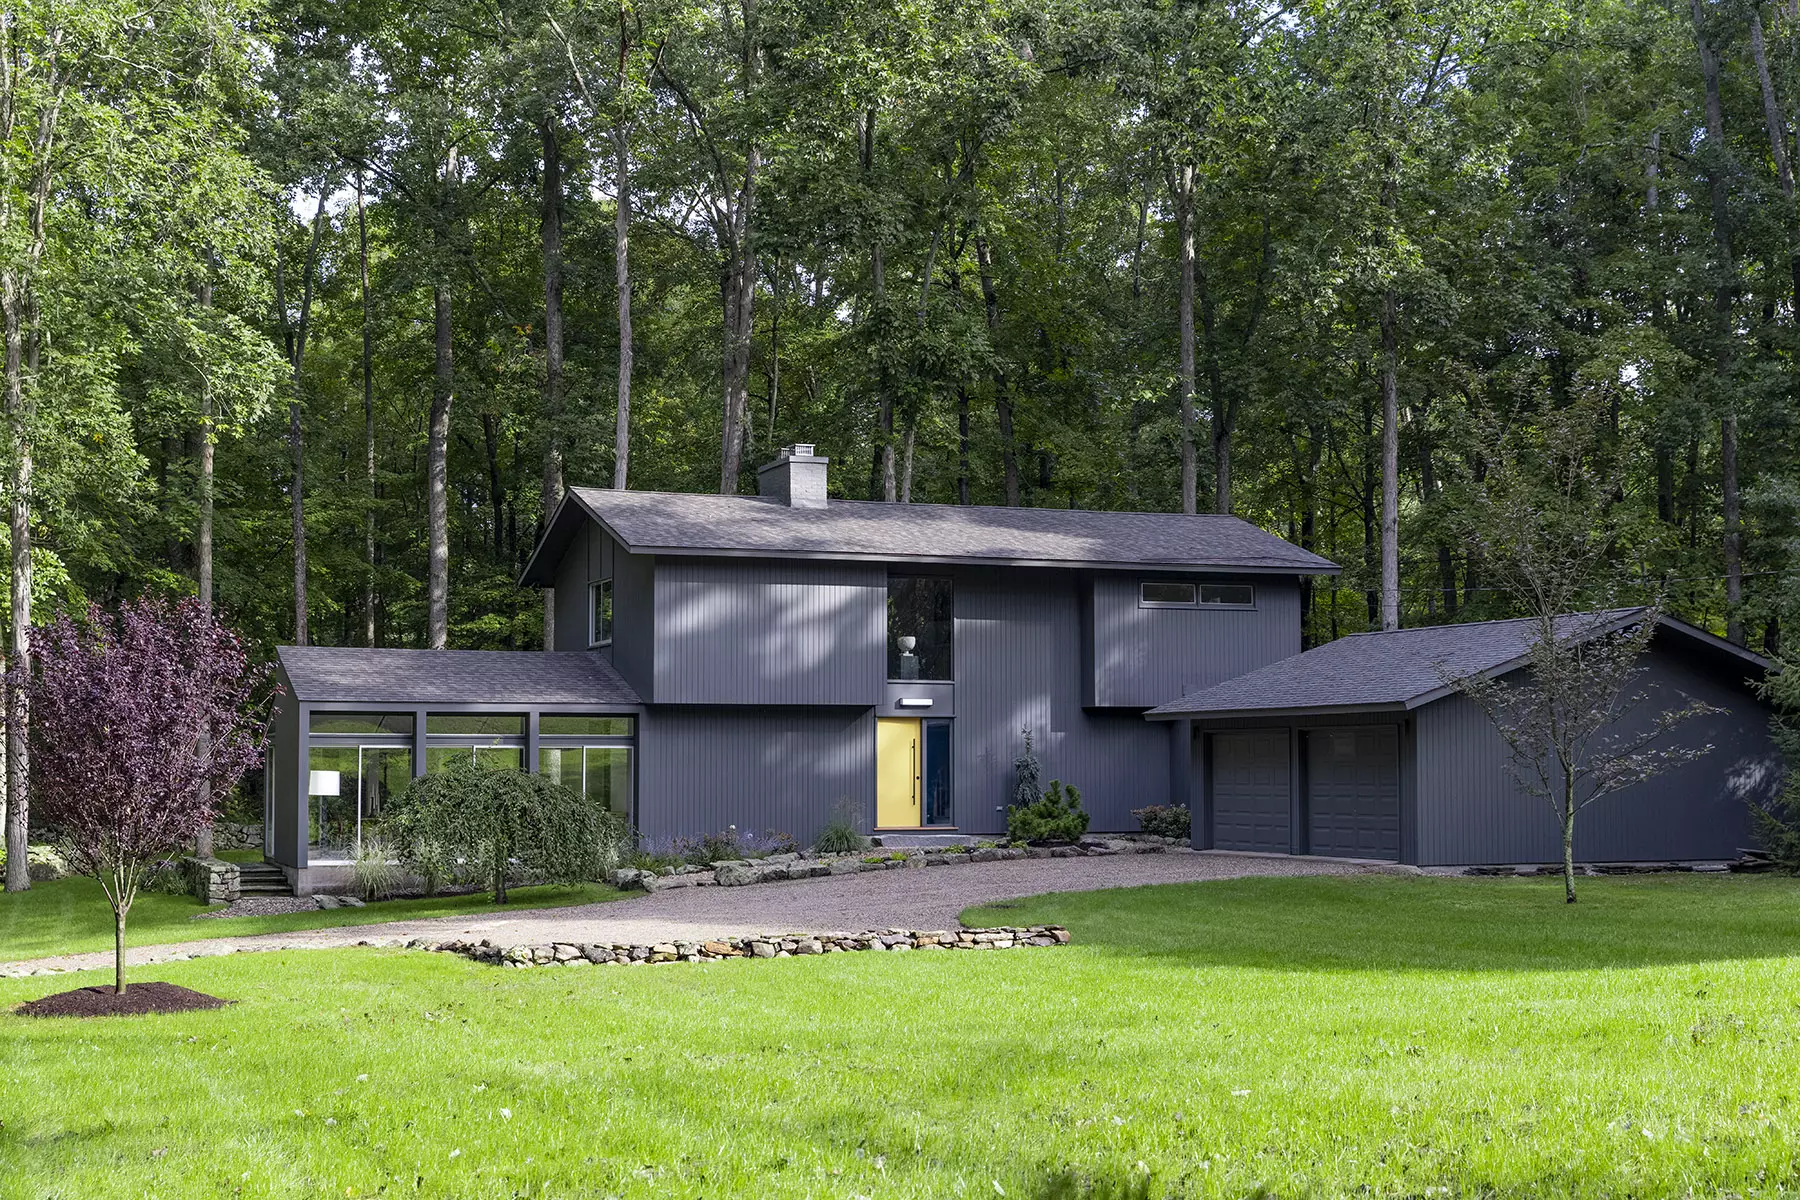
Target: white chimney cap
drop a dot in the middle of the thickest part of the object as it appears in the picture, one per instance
(802, 449)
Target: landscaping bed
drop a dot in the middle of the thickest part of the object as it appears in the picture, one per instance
(138, 999)
(808, 864)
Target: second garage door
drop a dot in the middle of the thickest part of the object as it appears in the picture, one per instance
(1353, 791)
(1250, 790)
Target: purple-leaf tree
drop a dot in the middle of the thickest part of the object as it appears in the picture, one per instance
(139, 720)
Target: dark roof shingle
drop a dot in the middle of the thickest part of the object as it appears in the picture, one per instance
(357, 675)
(691, 523)
(1383, 669)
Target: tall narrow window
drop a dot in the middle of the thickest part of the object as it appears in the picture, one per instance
(600, 627)
(921, 625)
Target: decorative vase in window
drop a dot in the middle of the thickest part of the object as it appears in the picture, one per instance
(909, 662)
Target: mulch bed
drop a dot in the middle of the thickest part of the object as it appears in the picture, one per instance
(139, 999)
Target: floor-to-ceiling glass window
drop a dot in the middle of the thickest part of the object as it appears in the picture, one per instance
(357, 762)
(489, 739)
(591, 755)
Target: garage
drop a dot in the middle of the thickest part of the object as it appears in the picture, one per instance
(1353, 792)
(1250, 791)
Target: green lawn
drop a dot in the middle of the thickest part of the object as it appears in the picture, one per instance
(68, 916)
(1373, 1036)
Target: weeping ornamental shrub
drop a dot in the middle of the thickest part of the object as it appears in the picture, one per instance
(1056, 817)
(487, 824)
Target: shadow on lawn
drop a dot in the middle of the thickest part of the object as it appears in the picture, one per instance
(1386, 923)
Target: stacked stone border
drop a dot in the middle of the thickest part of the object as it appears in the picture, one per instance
(807, 865)
(788, 945)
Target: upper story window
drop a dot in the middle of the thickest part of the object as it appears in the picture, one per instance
(1167, 593)
(600, 609)
(921, 626)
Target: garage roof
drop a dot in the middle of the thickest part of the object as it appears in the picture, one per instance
(1402, 669)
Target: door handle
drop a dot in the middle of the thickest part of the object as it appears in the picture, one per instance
(915, 773)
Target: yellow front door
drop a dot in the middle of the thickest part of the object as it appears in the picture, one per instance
(896, 773)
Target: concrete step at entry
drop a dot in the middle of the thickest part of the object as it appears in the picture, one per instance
(262, 879)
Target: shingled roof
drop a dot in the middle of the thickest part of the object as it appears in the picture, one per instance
(686, 523)
(358, 675)
(1402, 669)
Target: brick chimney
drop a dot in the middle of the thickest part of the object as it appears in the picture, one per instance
(796, 477)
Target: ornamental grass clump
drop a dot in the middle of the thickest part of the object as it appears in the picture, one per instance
(492, 824)
(139, 719)
(841, 835)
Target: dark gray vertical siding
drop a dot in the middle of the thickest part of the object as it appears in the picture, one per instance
(704, 769)
(1018, 663)
(572, 578)
(1142, 657)
(634, 617)
(286, 770)
(1472, 811)
(741, 631)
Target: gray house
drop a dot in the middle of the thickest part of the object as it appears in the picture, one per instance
(760, 661)
(1359, 748)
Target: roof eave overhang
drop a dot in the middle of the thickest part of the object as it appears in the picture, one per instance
(540, 568)
(969, 560)
(1310, 710)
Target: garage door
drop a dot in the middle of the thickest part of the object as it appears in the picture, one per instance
(1250, 790)
(1353, 791)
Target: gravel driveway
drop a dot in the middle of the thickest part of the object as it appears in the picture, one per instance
(929, 898)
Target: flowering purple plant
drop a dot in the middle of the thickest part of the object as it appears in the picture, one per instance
(140, 719)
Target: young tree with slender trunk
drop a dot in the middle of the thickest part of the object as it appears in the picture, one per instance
(142, 718)
(1577, 722)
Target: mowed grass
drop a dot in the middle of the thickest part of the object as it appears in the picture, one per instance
(70, 916)
(1295, 1037)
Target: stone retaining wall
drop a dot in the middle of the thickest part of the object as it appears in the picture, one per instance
(213, 881)
(806, 865)
(791, 945)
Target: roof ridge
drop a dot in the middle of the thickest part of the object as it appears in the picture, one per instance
(1586, 612)
(893, 504)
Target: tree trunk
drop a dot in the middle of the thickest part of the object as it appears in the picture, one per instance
(119, 951)
(1184, 237)
(550, 222)
(295, 335)
(1778, 147)
(1390, 463)
(368, 397)
(1723, 293)
(18, 706)
(962, 444)
(622, 267)
(437, 456)
(906, 473)
(884, 390)
(1003, 410)
(1568, 849)
(203, 547)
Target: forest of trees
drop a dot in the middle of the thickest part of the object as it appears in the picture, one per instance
(316, 308)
